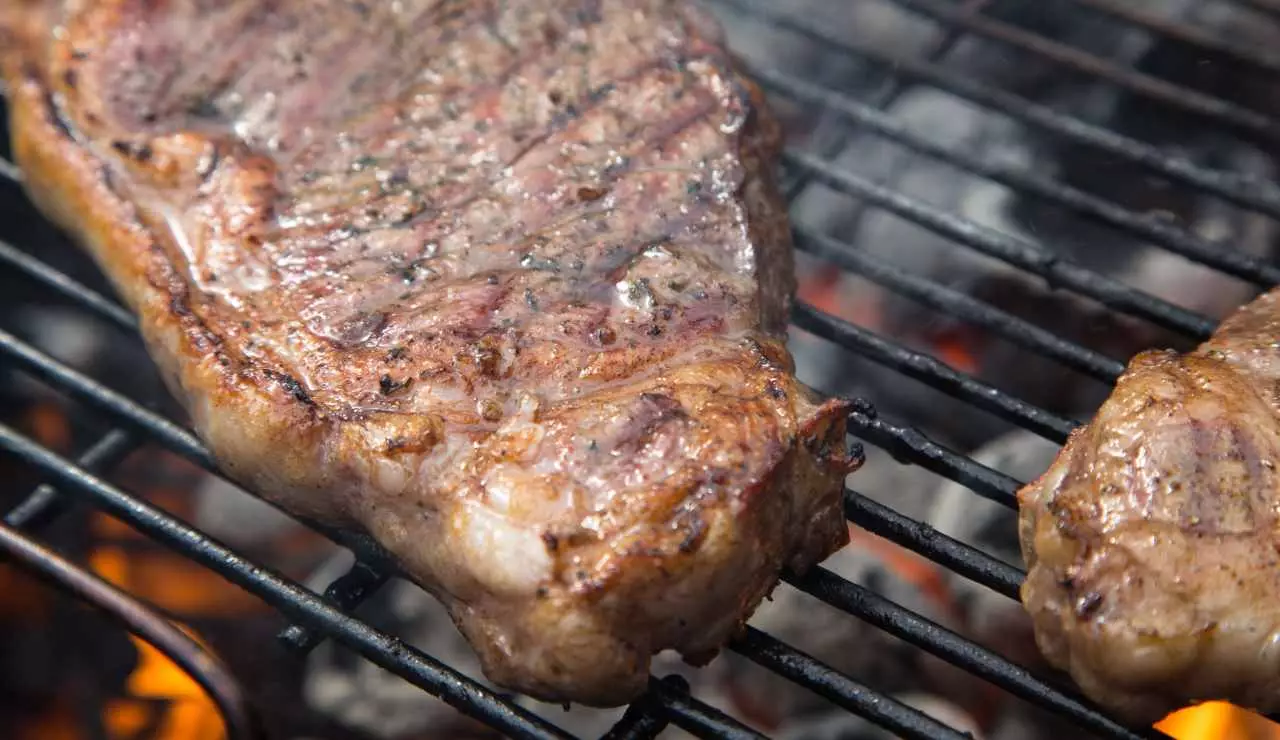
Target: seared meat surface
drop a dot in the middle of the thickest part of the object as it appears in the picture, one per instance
(503, 283)
(1154, 539)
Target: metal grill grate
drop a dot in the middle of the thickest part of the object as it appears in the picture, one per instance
(668, 701)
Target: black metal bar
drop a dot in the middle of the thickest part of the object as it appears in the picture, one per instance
(921, 538)
(910, 446)
(1187, 35)
(237, 715)
(643, 720)
(72, 289)
(1144, 226)
(345, 593)
(907, 625)
(1247, 191)
(932, 372)
(841, 690)
(293, 600)
(1056, 271)
(953, 302)
(1247, 123)
(10, 171)
(45, 503)
(672, 695)
(96, 395)
(887, 95)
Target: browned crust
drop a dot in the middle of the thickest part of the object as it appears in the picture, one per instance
(1151, 540)
(233, 409)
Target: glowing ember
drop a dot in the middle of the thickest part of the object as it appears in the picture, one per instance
(821, 290)
(1217, 720)
(185, 711)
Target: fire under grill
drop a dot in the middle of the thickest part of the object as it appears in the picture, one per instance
(957, 167)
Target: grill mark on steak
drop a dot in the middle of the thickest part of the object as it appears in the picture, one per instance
(502, 283)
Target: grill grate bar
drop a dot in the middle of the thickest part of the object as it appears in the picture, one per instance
(903, 720)
(907, 625)
(109, 402)
(46, 503)
(293, 600)
(1259, 59)
(886, 96)
(1057, 272)
(959, 304)
(346, 592)
(923, 539)
(932, 372)
(643, 720)
(1247, 123)
(909, 445)
(1250, 192)
(1149, 227)
(689, 714)
(67, 287)
(212, 677)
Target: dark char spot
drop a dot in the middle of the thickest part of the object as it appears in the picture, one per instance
(292, 385)
(388, 385)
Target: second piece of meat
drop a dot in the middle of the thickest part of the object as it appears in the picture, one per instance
(1154, 539)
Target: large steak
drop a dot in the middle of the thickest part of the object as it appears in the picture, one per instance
(504, 283)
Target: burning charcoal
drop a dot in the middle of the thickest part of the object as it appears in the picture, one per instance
(1022, 721)
(909, 490)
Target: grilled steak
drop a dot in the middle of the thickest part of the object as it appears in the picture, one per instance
(503, 283)
(1154, 539)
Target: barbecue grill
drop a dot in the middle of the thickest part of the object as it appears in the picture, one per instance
(315, 618)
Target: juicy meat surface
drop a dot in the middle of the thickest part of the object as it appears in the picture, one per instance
(1154, 539)
(503, 283)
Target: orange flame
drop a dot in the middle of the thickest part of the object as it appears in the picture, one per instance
(1218, 720)
(186, 712)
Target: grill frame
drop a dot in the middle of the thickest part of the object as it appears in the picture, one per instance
(315, 618)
